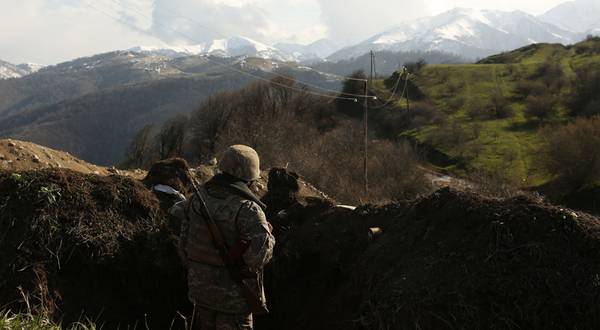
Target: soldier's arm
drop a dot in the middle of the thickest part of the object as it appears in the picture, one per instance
(254, 228)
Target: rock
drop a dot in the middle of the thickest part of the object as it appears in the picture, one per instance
(35, 159)
(213, 162)
(11, 144)
(2, 156)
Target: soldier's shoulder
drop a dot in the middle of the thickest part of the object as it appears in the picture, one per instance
(250, 206)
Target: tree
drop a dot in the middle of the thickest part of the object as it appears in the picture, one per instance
(541, 107)
(416, 66)
(171, 139)
(500, 105)
(209, 121)
(585, 96)
(398, 80)
(354, 85)
(138, 151)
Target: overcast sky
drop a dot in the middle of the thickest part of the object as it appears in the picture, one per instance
(51, 31)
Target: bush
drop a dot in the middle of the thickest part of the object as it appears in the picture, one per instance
(551, 74)
(501, 106)
(541, 107)
(585, 96)
(479, 109)
(571, 152)
(352, 87)
(456, 103)
(413, 92)
(525, 88)
(450, 135)
(495, 182)
(284, 127)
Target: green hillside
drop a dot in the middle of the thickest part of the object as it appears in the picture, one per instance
(483, 106)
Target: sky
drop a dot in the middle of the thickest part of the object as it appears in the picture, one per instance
(53, 31)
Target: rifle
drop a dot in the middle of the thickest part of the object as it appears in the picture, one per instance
(236, 268)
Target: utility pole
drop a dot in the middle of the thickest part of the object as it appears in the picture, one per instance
(366, 128)
(407, 75)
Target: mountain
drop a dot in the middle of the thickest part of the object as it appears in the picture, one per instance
(92, 107)
(387, 62)
(317, 50)
(8, 70)
(231, 47)
(579, 16)
(467, 32)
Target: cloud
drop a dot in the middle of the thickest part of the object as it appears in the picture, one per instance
(51, 31)
(355, 20)
(178, 21)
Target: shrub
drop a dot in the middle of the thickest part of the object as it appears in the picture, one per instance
(584, 99)
(541, 107)
(551, 74)
(525, 88)
(352, 87)
(334, 163)
(479, 109)
(501, 106)
(450, 135)
(571, 152)
(495, 182)
(456, 103)
(284, 129)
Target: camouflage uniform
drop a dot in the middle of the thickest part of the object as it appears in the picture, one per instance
(219, 301)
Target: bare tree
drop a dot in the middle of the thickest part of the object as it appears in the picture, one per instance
(209, 122)
(139, 148)
(171, 139)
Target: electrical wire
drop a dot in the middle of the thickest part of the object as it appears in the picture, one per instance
(346, 96)
(395, 89)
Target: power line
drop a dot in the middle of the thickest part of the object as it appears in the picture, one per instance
(391, 98)
(346, 96)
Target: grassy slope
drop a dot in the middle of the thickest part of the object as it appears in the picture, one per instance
(511, 144)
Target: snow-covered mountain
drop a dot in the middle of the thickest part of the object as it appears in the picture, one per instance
(317, 50)
(231, 47)
(468, 32)
(579, 16)
(8, 70)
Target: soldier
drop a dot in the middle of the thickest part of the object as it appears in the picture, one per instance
(220, 301)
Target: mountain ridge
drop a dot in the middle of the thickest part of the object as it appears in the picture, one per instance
(468, 32)
(9, 70)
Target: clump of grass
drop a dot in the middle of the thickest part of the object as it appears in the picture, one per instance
(29, 321)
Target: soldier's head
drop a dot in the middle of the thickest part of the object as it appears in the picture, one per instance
(172, 172)
(241, 162)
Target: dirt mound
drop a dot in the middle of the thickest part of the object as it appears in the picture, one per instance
(451, 260)
(100, 246)
(88, 245)
(18, 155)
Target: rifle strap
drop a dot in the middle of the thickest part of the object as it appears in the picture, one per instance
(217, 237)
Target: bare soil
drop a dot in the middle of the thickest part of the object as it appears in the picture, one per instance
(451, 260)
(18, 155)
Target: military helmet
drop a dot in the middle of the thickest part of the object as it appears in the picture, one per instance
(242, 162)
